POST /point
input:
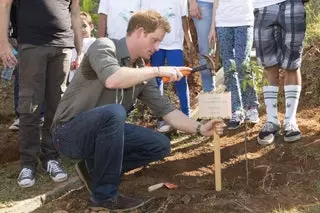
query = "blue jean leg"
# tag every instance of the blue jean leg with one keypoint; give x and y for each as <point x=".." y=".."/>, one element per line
<point x="203" y="29"/>
<point x="226" y="38"/>
<point x="174" y="58"/>
<point x="243" y="46"/>
<point x="101" y="136"/>
<point x="142" y="146"/>
<point x="96" y="134"/>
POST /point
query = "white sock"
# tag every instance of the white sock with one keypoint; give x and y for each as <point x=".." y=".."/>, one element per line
<point x="270" y="94"/>
<point x="292" y="94"/>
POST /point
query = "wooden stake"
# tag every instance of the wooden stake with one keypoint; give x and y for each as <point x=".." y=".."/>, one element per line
<point x="217" y="161"/>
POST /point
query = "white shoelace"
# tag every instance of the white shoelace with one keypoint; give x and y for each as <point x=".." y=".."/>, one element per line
<point x="291" y="127"/>
<point x="237" y="116"/>
<point x="268" y="127"/>
<point x="53" y="167"/>
<point x="25" y="172"/>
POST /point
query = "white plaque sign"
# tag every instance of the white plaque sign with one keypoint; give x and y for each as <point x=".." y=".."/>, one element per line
<point x="215" y="105"/>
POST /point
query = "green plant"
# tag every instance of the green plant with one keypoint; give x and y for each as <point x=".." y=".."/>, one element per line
<point x="91" y="7"/>
<point x="254" y="76"/>
<point x="313" y="22"/>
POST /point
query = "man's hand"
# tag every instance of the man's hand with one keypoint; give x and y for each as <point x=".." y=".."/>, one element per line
<point x="212" y="125"/>
<point x="6" y="55"/>
<point x="78" y="61"/>
<point x="173" y="73"/>
<point x="195" y="10"/>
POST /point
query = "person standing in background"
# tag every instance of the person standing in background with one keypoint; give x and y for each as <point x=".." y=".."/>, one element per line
<point x="13" y="41"/>
<point x="47" y="32"/>
<point x="171" y="48"/>
<point x="232" y="21"/>
<point x="114" y="17"/>
<point x="279" y="31"/>
<point x="87" y="28"/>
<point x="201" y="13"/>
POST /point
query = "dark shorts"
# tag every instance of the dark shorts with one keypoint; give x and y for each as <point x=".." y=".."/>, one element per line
<point x="279" y="31"/>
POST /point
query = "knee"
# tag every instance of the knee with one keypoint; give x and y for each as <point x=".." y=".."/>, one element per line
<point x="115" y="112"/>
<point x="164" y="145"/>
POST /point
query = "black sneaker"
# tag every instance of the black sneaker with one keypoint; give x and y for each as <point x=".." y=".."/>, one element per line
<point x="55" y="171"/>
<point x="291" y="133"/>
<point x="120" y="203"/>
<point x="26" y="177"/>
<point x="83" y="173"/>
<point x="267" y="134"/>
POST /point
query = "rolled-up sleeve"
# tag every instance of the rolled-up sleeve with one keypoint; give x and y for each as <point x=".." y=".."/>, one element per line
<point x="159" y="104"/>
<point x="102" y="58"/>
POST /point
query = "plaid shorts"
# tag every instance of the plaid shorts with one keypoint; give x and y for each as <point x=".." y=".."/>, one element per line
<point x="279" y="31"/>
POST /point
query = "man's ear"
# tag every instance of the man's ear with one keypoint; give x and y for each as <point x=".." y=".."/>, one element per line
<point x="140" y="31"/>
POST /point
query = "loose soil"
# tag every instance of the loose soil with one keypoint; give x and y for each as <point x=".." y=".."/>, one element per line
<point x="281" y="176"/>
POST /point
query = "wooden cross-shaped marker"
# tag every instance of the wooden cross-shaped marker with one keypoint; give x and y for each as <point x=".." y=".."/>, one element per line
<point x="216" y="105"/>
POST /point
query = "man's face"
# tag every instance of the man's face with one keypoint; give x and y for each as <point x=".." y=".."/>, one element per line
<point x="149" y="42"/>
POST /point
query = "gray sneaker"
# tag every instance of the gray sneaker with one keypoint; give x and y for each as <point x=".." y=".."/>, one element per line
<point x="163" y="127"/>
<point x="268" y="133"/>
<point x="236" y="120"/>
<point x="252" y="116"/>
<point x="56" y="171"/>
<point x="291" y="133"/>
<point x="26" y="177"/>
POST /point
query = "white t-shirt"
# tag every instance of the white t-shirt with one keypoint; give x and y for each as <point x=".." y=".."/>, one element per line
<point x="265" y="3"/>
<point x="86" y="44"/>
<point x="172" y="10"/>
<point x="119" y="13"/>
<point x="233" y="13"/>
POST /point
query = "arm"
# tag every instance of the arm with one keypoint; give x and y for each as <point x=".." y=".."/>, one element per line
<point x="194" y="9"/>
<point x="102" y="25"/>
<point x="76" y="26"/>
<point x="126" y="77"/>
<point x="180" y="121"/>
<point x="101" y="57"/>
<point x="6" y="54"/>
<point x="212" y="34"/>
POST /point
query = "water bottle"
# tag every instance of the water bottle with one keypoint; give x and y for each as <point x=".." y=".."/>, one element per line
<point x="7" y="72"/>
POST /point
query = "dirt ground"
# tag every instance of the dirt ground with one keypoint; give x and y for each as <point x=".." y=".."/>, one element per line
<point x="281" y="176"/>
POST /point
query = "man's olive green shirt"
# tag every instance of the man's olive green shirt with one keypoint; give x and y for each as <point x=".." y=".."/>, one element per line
<point x="87" y="89"/>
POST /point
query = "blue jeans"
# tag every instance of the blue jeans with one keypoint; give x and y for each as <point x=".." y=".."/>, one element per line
<point x="235" y="48"/>
<point x="203" y="29"/>
<point x="174" y="58"/>
<point x="16" y="94"/>
<point x="102" y="136"/>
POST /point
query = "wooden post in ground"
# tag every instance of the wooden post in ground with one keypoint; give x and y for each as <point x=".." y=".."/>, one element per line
<point x="217" y="106"/>
<point x="217" y="161"/>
